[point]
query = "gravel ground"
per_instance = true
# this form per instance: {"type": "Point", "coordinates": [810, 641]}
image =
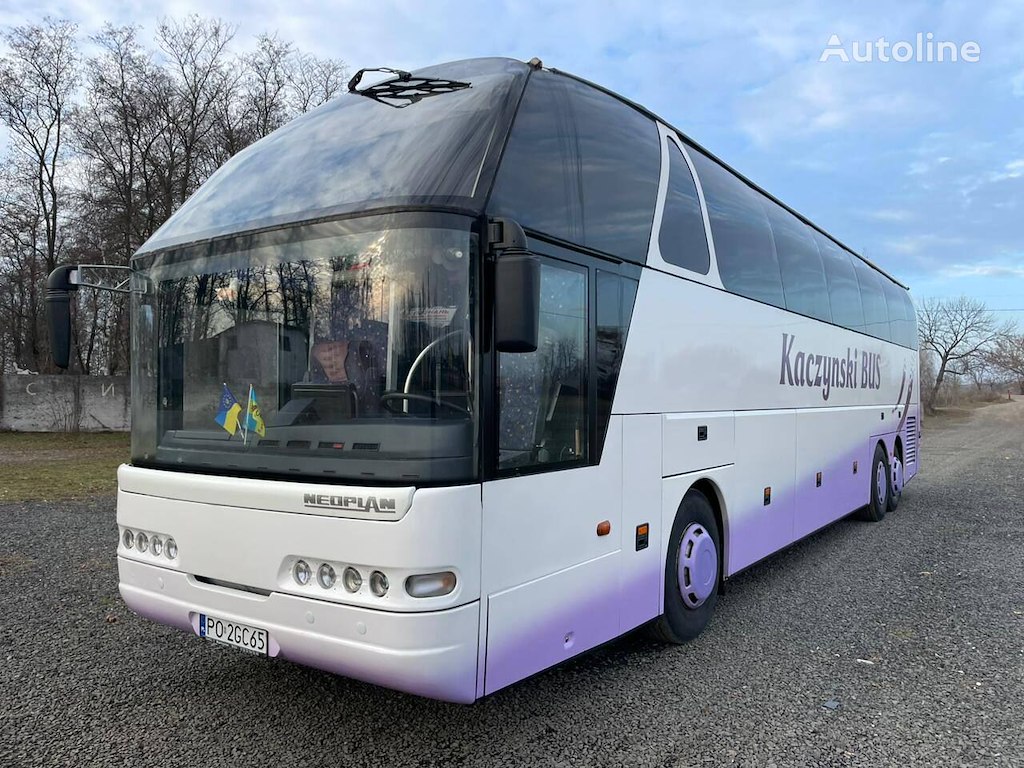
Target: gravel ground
{"type": "Point", "coordinates": [912, 629]}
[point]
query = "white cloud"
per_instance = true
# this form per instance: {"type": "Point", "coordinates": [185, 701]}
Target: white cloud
{"type": "Point", "coordinates": [1017, 84]}
{"type": "Point", "coordinates": [983, 270]}
{"type": "Point", "coordinates": [911, 245]}
{"type": "Point", "coordinates": [1012, 170]}
{"type": "Point", "coordinates": [890, 215]}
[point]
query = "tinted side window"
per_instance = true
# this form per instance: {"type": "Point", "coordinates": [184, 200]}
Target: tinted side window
{"type": "Point", "coordinates": [910, 312]}
{"type": "Point", "coordinates": [542, 395]}
{"type": "Point", "coordinates": [615, 297]}
{"type": "Point", "coordinates": [899, 328]}
{"type": "Point", "coordinates": [803, 276]}
{"type": "Point", "coordinates": [620, 168]}
{"type": "Point", "coordinates": [538, 181]}
{"type": "Point", "coordinates": [876, 313]}
{"type": "Point", "coordinates": [743, 239]}
{"type": "Point", "coordinates": [582, 166]}
{"type": "Point", "coordinates": [843, 288]}
{"type": "Point", "coordinates": [682, 239]}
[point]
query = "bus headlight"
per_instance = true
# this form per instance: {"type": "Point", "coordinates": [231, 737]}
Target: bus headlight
{"type": "Point", "coordinates": [430, 584]}
{"type": "Point", "coordinates": [326, 576]}
{"type": "Point", "coordinates": [301, 572]}
{"type": "Point", "coordinates": [128, 539]}
{"type": "Point", "coordinates": [142, 542]}
{"type": "Point", "coordinates": [378, 584]}
{"type": "Point", "coordinates": [156, 546]}
{"type": "Point", "coordinates": [171, 548]}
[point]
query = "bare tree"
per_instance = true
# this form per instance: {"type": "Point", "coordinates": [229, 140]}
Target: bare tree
{"type": "Point", "coordinates": [37, 81]}
{"type": "Point", "coordinates": [957, 331]}
{"type": "Point", "coordinates": [149, 127]}
{"type": "Point", "coordinates": [1007, 356]}
{"type": "Point", "coordinates": [315, 81]}
{"type": "Point", "coordinates": [200, 77]}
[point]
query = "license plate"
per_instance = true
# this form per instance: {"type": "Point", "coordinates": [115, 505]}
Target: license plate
{"type": "Point", "coordinates": [232, 633]}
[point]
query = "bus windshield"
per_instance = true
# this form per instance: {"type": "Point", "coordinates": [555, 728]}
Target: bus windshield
{"type": "Point", "coordinates": [315, 351]}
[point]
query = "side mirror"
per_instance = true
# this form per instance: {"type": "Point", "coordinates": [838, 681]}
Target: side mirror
{"type": "Point", "coordinates": [516, 289]}
{"type": "Point", "coordinates": [58, 313]}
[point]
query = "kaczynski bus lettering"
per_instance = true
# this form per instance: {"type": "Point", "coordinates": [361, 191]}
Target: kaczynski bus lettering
{"type": "Point", "coordinates": [807, 369]}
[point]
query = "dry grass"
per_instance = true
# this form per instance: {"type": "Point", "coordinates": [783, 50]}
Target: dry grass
{"type": "Point", "coordinates": [57, 466]}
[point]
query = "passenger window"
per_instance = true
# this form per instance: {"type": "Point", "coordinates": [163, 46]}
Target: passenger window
{"type": "Point", "coordinates": [542, 395]}
{"type": "Point", "coordinates": [843, 288]}
{"type": "Point", "coordinates": [615, 297]}
{"type": "Point", "coordinates": [899, 327]}
{"type": "Point", "coordinates": [682, 239]}
{"type": "Point", "coordinates": [910, 312]}
{"type": "Point", "coordinates": [581, 166]}
{"type": "Point", "coordinates": [742, 237]}
{"type": "Point", "coordinates": [876, 314]}
{"type": "Point", "coordinates": [803, 276]}
{"type": "Point", "coordinates": [538, 182]}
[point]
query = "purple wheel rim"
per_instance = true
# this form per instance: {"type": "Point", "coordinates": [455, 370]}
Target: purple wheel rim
{"type": "Point", "coordinates": [698, 566]}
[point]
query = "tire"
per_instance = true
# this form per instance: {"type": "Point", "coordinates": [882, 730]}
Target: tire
{"type": "Point", "coordinates": [691, 591]}
{"type": "Point", "coordinates": [881, 487]}
{"type": "Point", "coordinates": [895, 482]}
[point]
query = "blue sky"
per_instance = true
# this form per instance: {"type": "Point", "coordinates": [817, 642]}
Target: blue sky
{"type": "Point", "coordinates": [920, 166]}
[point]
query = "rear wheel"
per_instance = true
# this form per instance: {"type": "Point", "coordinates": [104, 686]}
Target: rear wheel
{"type": "Point", "coordinates": [881, 487]}
{"type": "Point", "coordinates": [692, 572]}
{"type": "Point", "coordinates": [895, 480]}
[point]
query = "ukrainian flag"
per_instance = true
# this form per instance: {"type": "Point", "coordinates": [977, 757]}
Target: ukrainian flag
{"type": "Point", "coordinates": [253, 417]}
{"type": "Point", "coordinates": [227, 416]}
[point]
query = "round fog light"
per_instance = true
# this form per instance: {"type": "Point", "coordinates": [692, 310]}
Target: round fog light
{"type": "Point", "coordinates": [352, 579]}
{"type": "Point", "coordinates": [156, 546]}
{"type": "Point", "coordinates": [326, 576]}
{"type": "Point", "coordinates": [378, 584]}
{"type": "Point", "coordinates": [142, 542]}
{"type": "Point", "coordinates": [171, 548]}
{"type": "Point", "coordinates": [301, 572]}
{"type": "Point", "coordinates": [430, 584]}
{"type": "Point", "coordinates": [128, 539]}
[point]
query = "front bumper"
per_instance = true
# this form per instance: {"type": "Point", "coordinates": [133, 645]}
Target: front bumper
{"type": "Point", "coordinates": [430, 654]}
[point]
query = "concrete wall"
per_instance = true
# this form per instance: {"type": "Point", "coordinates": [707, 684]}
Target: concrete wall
{"type": "Point", "coordinates": [64, 403]}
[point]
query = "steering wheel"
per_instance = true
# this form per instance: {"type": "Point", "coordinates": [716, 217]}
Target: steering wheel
{"type": "Point", "coordinates": [426, 351]}
{"type": "Point", "coordinates": [388, 397]}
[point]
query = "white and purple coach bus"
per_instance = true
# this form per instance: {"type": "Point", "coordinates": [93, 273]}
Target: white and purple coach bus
{"type": "Point", "coordinates": [475, 368]}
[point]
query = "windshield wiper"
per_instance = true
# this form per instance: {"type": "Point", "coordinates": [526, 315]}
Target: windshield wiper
{"type": "Point", "coordinates": [403, 90]}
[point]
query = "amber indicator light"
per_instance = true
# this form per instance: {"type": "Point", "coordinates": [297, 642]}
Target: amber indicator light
{"type": "Point", "coordinates": [642, 537]}
{"type": "Point", "coordinates": [604, 528]}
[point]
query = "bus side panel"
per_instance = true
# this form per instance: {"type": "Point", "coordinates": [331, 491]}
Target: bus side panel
{"type": "Point", "coordinates": [829, 442]}
{"type": "Point", "coordinates": [762, 496]}
{"type": "Point", "coordinates": [696, 441]}
{"type": "Point", "coordinates": [530, 628]}
{"type": "Point", "coordinates": [642, 580]}
{"type": "Point", "coordinates": [548, 572]}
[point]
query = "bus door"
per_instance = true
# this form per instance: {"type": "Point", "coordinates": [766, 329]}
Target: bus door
{"type": "Point", "coordinates": [551, 520]}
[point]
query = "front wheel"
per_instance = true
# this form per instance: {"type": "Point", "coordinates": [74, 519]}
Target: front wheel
{"type": "Point", "coordinates": [692, 572]}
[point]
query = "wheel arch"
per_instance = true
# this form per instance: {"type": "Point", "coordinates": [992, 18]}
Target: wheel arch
{"type": "Point", "coordinates": [711, 491]}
